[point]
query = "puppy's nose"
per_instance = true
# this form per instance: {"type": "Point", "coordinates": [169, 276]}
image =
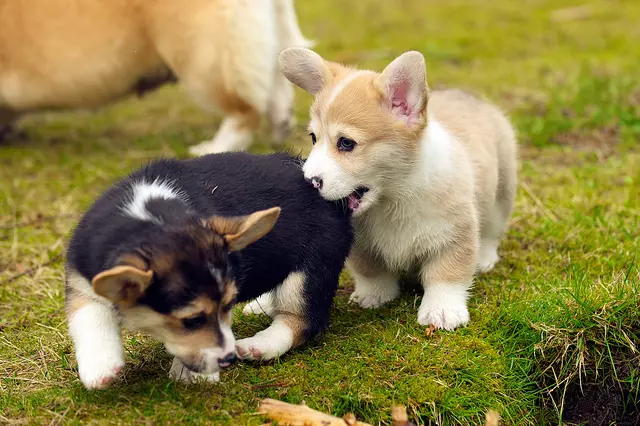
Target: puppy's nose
{"type": "Point", "coordinates": [229, 359]}
{"type": "Point", "coordinates": [316, 181]}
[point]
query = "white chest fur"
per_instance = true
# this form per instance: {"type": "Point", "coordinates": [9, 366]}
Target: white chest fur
{"type": "Point", "coordinates": [415, 219]}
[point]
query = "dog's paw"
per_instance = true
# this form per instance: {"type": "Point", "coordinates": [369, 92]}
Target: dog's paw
{"type": "Point", "coordinates": [374, 295]}
{"type": "Point", "coordinates": [180, 373]}
{"type": "Point", "coordinates": [444, 306]}
{"type": "Point", "coordinates": [270, 343]}
{"type": "Point", "coordinates": [259, 306]}
{"type": "Point", "coordinates": [487, 260]}
{"type": "Point", "coordinates": [100, 369]}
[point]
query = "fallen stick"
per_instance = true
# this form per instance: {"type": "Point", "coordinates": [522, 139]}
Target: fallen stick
{"type": "Point", "coordinates": [300, 415]}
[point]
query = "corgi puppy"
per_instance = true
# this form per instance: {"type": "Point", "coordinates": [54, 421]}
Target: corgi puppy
{"type": "Point", "coordinates": [430, 177]}
{"type": "Point", "coordinates": [224, 52]}
{"type": "Point", "coordinates": [170, 249]}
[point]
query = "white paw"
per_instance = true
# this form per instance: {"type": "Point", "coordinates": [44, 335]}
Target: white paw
{"type": "Point", "coordinates": [261, 305]}
{"type": "Point", "coordinates": [100, 368]}
{"type": "Point", "coordinates": [267, 344]}
{"type": "Point", "coordinates": [444, 306]}
{"type": "Point", "coordinates": [372, 295]}
{"type": "Point", "coordinates": [182, 374]}
{"type": "Point", "coordinates": [487, 260]}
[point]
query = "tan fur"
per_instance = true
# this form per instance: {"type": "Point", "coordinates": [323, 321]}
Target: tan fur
{"type": "Point", "coordinates": [86, 53]}
{"type": "Point", "coordinates": [440, 168]}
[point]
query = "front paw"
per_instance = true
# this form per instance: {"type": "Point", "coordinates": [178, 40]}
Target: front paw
{"type": "Point", "coordinates": [444, 306]}
{"type": "Point", "coordinates": [374, 295]}
{"type": "Point", "coordinates": [180, 373]}
{"type": "Point", "coordinates": [100, 368]}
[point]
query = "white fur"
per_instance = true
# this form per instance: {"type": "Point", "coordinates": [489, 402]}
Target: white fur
{"type": "Point", "coordinates": [181, 373]}
{"type": "Point", "coordinates": [287, 296]}
{"type": "Point", "coordinates": [261, 305]}
{"type": "Point", "coordinates": [419, 225]}
{"type": "Point", "coordinates": [444, 305]}
{"type": "Point", "coordinates": [267, 344]}
{"type": "Point", "coordinates": [95, 332]}
{"type": "Point", "coordinates": [373, 292]}
{"type": "Point", "coordinates": [143, 192]}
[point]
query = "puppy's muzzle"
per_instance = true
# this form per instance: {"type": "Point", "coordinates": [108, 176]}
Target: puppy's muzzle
{"type": "Point", "coordinates": [229, 359]}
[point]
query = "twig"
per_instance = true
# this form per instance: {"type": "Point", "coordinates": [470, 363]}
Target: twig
{"type": "Point", "coordinates": [538, 202]}
{"type": "Point", "coordinates": [31, 270]}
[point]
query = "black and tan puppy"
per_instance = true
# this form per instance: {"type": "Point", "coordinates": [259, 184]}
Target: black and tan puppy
{"type": "Point", "coordinates": [172, 247]}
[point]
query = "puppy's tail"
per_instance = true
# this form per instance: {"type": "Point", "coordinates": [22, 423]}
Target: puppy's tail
{"type": "Point", "coordinates": [289, 31]}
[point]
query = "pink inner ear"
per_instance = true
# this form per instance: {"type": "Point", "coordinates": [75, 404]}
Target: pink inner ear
{"type": "Point", "coordinates": [399, 91]}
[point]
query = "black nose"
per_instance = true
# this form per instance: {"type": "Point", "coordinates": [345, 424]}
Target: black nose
{"type": "Point", "coordinates": [229, 359]}
{"type": "Point", "coordinates": [316, 181]}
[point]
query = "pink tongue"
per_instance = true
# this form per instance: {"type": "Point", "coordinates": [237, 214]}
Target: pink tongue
{"type": "Point", "coordinates": [353, 202]}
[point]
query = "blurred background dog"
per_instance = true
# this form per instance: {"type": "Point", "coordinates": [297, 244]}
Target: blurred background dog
{"type": "Point", "coordinates": [63, 54]}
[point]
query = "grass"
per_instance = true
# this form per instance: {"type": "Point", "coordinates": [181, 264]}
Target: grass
{"type": "Point", "coordinates": [554, 334]}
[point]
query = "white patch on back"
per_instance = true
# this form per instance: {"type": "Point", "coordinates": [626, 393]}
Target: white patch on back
{"type": "Point", "coordinates": [340, 87]}
{"type": "Point", "coordinates": [142, 192]}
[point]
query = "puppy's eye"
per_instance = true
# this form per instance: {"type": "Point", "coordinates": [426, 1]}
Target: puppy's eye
{"type": "Point", "coordinates": [227, 308]}
{"type": "Point", "coordinates": [313, 138]}
{"type": "Point", "coordinates": [345, 144]}
{"type": "Point", "coordinates": [194, 323]}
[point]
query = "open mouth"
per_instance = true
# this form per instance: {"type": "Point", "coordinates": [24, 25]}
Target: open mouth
{"type": "Point", "coordinates": [354, 199]}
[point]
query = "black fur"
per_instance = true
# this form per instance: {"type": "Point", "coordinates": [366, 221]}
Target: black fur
{"type": "Point", "coordinates": [311, 235]}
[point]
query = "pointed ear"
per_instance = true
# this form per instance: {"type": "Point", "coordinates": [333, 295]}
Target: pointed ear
{"type": "Point", "coordinates": [122, 285]}
{"type": "Point", "coordinates": [404, 86]}
{"type": "Point", "coordinates": [241, 231]}
{"type": "Point", "coordinates": [305, 68]}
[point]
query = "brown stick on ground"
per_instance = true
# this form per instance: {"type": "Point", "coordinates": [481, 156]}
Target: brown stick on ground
{"type": "Point", "coordinates": [301, 415]}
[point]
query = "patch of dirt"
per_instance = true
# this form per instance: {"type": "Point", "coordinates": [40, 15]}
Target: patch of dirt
{"type": "Point", "coordinates": [603, 139]}
{"type": "Point", "coordinates": [599, 406]}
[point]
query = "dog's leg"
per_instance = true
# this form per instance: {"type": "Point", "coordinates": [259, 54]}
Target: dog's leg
{"type": "Point", "coordinates": [490, 237]}
{"type": "Point", "coordinates": [374, 286]}
{"type": "Point", "coordinates": [95, 331]}
{"type": "Point", "coordinates": [181, 373]}
{"type": "Point", "coordinates": [235, 134]}
{"type": "Point", "coordinates": [447, 278]}
{"type": "Point", "coordinates": [263, 304]}
{"type": "Point", "coordinates": [281, 112]}
{"type": "Point", "coordinates": [302, 303]}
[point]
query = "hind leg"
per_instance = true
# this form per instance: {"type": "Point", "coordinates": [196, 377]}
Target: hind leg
{"type": "Point", "coordinates": [235, 134]}
{"type": "Point", "coordinates": [491, 235]}
{"type": "Point", "coordinates": [281, 112]}
{"type": "Point", "coordinates": [301, 305]}
{"type": "Point", "coordinates": [264, 304]}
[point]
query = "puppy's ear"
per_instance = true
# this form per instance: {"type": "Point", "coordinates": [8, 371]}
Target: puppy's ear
{"type": "Point", "coordinates": [241, 231]}
{"type": "Point", "coordinates": [305, 68]}
{"type": "Point", "coordinates": [404, 87]}
{"type": "Point", "coordinates": [122, 285]}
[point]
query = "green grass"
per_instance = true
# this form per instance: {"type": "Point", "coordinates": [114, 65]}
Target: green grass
{"type": "Point", "coordinates": [557, 317]}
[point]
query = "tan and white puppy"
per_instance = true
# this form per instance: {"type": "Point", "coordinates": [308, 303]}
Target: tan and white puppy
{"type": "Point", "coordinates": [63, 54]}
{"type": "Point", "coordinates": [430, 177]}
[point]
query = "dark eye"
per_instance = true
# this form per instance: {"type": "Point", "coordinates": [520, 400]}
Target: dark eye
{"type": "Point", "coordinates": [345, 144]}
{"type": "Point", "coordinates": [194, 323]}
{"type": "Point", "coordinates": [313, 138]}
{"type": "Point", "coordinates": [227, 308]}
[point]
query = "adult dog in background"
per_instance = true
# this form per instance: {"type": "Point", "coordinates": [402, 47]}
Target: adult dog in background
{"type": "Point", "coordinates": [63, 54]}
